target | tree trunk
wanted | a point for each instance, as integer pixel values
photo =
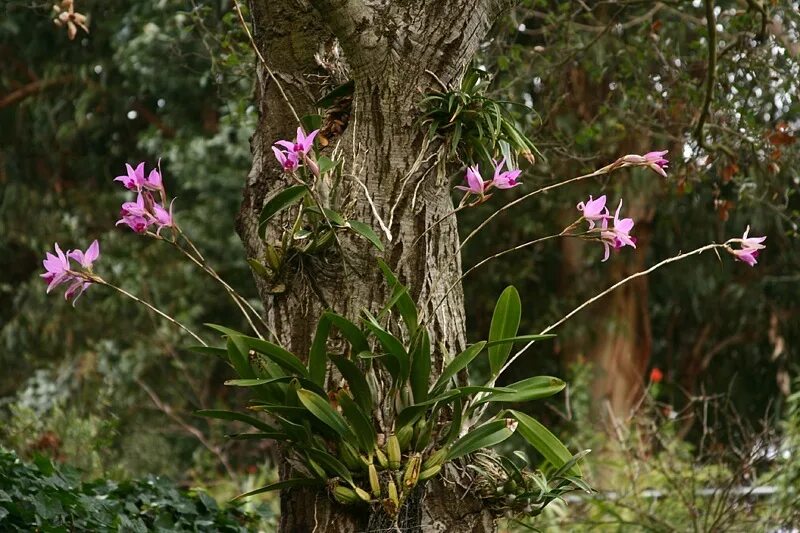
(393, 179)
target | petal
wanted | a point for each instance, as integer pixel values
(93, 252)
(309, 141)
(286, 144)
(279, 155)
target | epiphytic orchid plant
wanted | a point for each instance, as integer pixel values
(344, 434)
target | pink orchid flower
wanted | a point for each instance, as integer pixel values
(594, 210)
(475, 183)
(56, 268)
(288, 160)
(507, 179)
(135, 215)
(135, 179)
(302, 143)
(751, 248)
(619, 235)
(655, 161)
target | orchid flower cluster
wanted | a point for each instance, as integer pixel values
(655, 161)
(476, 185)
(617, 236)
(751, 247)
(296, 152)
(59, 271)
(145, 211)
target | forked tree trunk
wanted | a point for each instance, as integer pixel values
(392, 179)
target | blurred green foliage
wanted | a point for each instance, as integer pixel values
(46, 497)
(151, 80)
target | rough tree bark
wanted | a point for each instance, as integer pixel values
(393, 179)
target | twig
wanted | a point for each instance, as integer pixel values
(711, 75)
(264, 61)
(101, 281)
(32, 88)
(196, 433)
(612, 288)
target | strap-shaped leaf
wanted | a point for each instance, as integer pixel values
(526, 390)
(239, 417)
(392, 345)
(367, 232)
(321, 409)
(505, 323)
(469, 390)
(317, 356)
(272, 435)
(286, 198)
(400, 299)
(331, 464)
(483, 436)
(411, 414)
(420, 365)
(237, 355)
(350, 331)
(209, 350)
(269, 381)
(360, 421)
(455, 424)
(280, 485)
(458, 364)
(544, 442)
(282, 357)
(519, 338)
(357, 381)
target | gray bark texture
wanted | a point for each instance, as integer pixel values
(393, 179)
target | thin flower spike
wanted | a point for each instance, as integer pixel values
(594, 210)
(56, 267)
(288, 160)
(475, 183)
(751, 248)
(507, 179)
(85, 259)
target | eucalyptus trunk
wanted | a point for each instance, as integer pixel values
(392, 179)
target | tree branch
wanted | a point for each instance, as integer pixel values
(711, 75)
(32, 88)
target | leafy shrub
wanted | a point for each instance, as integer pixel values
(48, 497)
